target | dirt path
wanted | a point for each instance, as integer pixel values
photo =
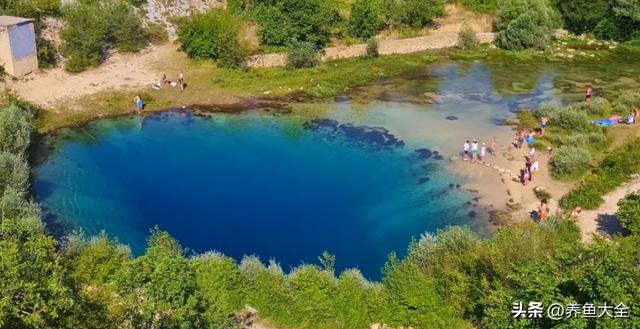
(120, 71)
(604, 219)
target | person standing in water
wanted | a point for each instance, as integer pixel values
(588, 95)
(139, 103)
(474, 150)
(466, 150)
(493, 146)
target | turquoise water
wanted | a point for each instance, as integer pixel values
(287, 187)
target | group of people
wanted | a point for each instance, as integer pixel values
(474, 151)
(632, 117)
(164, 81)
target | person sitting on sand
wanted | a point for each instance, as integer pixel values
(576, 212)
(164, 80)
(139, 103)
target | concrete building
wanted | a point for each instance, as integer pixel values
(18, 53)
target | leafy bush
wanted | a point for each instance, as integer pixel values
(15, 172)
(156, 33)
(627, 101)
(480, 6)
(91, 27)
(467, 38)
(629, 212)
(285, 22)
(522, 24)
(570, 162)
(124, 28)
(581, 16)
(365, 18)
(214, 35)
(571, 118)
(412, 13)
(542, 194)
(83, 36)
(373, 47)
(614, 170)
(47, 53)
(304, 54)
(15, 130)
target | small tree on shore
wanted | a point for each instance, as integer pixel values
(467, 37)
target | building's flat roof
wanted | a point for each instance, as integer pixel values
(12, 20)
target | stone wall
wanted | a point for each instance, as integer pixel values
(387, 47)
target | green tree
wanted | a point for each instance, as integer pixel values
(15, 172)
(220, 283)
(581, 16)
(214, 35)
(522, 24)
(15, 129)
(285, 22)
(34, 290)
(162, 286)
(365, 18)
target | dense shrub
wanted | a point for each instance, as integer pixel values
(373, 47)
(214, 35)
(83, 36)
(92, 27)
(480, 6)
(570, 162)
(47, 53)
(629, 212)
(365, 18)
(303, 54)
(582, 16)
(124, 27)
(15, 130)
(285, 22)
(413, 13)
(467, 38)
(617, 20)
(522, 24)
(571, 118)
(627, 101)
(614, 170)
(15, 172)
(156, 33)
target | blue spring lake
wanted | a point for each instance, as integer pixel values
(289, 187)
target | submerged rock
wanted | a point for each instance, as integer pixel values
(424, 153)
(451, 117)
(362, 135)
(424, 180)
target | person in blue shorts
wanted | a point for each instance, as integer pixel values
(139, 103)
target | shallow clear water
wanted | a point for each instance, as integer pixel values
(287, 187)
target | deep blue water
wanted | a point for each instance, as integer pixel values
(281, 187)
(250, 184)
